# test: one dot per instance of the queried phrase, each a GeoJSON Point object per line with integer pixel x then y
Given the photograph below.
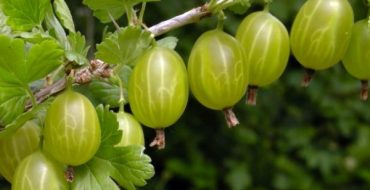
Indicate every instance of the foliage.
{"type": "Point", "coordinates": [295, 138]}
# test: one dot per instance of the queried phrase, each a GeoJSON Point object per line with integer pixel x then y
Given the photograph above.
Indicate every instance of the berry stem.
{"type": "Point", "coordinates": [307, 77]}
{"type": "Point", "coordinates": [69, 174]}
{"type": "Point", "coordinates": [252, 95]}
{"type": "Point", "coordinates": [364, 90]}
{"type": "Point", "coordinates": [221, 20]}
{"type": "Point", "coordinates": [230, 117]}
{"type": "Point", "coordinates": [159, 140]}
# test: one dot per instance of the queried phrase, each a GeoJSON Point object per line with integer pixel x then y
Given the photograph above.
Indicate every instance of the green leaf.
{"type": "Point", "coordinates": [128, 166]}
{"type": "Point", "coordinates": [78, 43]}
{"type": "Point", "coordinates": [56, 29]}
{"type": "Point", "coordinates": [169, 42]}
{"type": "Point", "coordinates": [115, 8]}
{"type": "Point", "coordinates": [64, 14]}
{"type": "Point", "coordinates": [12, 62]}
{"type": "Point", "coordinates": [76, 58]}
{"type": "Point", "coordinates": [12, 101]}
{"type": "Point", "coordinates": [110, 135]}
{"type": "Point", "coordinates": [12, 94]}
{"type": "Point", "coordinates": [78, 50]}
{"type": "Point", "coordinates": [35, 36]}
{"type": "Point", "coordinates": [107, 93]}
{"type": "Point", "coordinates": [124, 46]}
{"type": "Point", "coordinates": [102, 9]}
{"type": "Point", "coordinates": [4, 28]}
{"type": "Point", "coordinates": [42, 59]}
{"type": "Point", "coordinates": [23, 15]}
{"type": "Point", "coordinates": [124, 74]}
{"type": "Point", "coordinates": [17, 69]}
{"type": "Point", "coordinates": [93, 176]}
{"type": "Point", "coordinates": [23, 118]}
{"type": "Point", "coordinates": [105, 16]}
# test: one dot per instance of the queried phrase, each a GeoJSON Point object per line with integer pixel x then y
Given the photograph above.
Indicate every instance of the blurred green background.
{"type": "Point", "coordinates": [295, 138]}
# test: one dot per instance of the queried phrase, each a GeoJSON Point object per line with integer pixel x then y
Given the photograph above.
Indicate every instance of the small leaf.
{"type": "Point", "coordinates": [93, 176]}
{"type": "Point", "coordinates": [56, 29]}
{"type": "Point", "coordinates": [78, 50]}
{"type": "Point", "coordinates": [124, 46]}
{"type": "Point", "coordinates": [42, 59]}
{"type": "Point", "coordinates": [124, 74]}
{"type": "Point", "coordinates": [102, 9]}
{"type": "Point", "coordinates": [169, 42]}
{"type": "Point", "coordinates": [23, 118]}
{"type": "Point", "coordinates": [115, 8]}
{"type": "Point", "coordinates": [78, 43]}
{"type": "Point", "coordinates": [107, 93]}
{"type": "Point", "coordinates": [64, 14]}
{"type": "Point", "coordinates": [16, 72]}
{"type": "Point", "coordinates": [105, 16]}
{"type": "Point", "coordinates": [110, 135]}
{"type": "Point", "coordinates": [35, 36]}
{"type": "Point", "coordinates": [12, 61]}
{"type": "Point", "coordinates": [12, 94]}
{"type": "Point", "coordinates": [76, 58]}
{"type": "Point", "coordinates": [23, 15]}
{"type": "Point", "coordinates": [12, 101]}
{"type": "Point", "coordinates": [4, 28]}
{"type": "Point", "coordinates": [128, 166]}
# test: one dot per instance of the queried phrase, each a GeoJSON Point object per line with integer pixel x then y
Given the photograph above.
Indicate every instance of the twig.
{"type": "Point", "coordinates": [192, 16]}
{"type": "Point", "coordinates": [97, 68]}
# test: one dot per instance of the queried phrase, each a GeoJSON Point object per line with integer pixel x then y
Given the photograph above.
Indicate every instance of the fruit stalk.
{"type": "Point", "coordinates": [364, 90]}
{"type": "Point", "coordinates": [69, 174]}
{"type": "Point", "coordinates": [230, 117]}
{"type": "Point", "coordinates": [252, 95]}
{"type": "Point", "coordinates": [159, 140]}
{"type": "Point", "coordinates": [307, 77]}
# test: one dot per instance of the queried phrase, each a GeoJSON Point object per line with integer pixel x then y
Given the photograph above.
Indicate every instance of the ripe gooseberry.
{"type": "Point", "coordinates": [320, 34]}
{"type": "Point", "coordinates": [357, 59]}
{"type": "Point", "coordinates": [217, 73]}
{"type": "Point", "coordinates": [158, 90]}
{"type": "Point", "coordinates": [72, 129]}
{"type": "Point", "coordinates": [266, 45]}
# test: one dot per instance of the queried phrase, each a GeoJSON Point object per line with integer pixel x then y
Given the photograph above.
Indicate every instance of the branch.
{"type": "Point", "coordinates": [98, 68]}
{"type": "Point", "coordinates": [192, 16]}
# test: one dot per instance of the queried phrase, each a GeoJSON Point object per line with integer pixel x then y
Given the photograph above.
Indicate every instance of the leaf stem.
{"type": "Point", "coordinates": [130, 14]}
{"type": "Point", "coordinates": [268, 2]}
{"type": "Point", "coordinates": [121, 94]}
{"type": "Point", "coordinates": [32, 96]}
{"type": "Point", "coordinates": [218, 5]}
{"type": "Point", "coordinates": [114, 21]}
{"type": "Point", "coordinates": [70, 81]}
{"type": "Point", "coordinates": [142, 11]}
{"type": "Point", "coordinates": [221, 20]}
{"type": "Point", "coordinates": [267, 5]}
